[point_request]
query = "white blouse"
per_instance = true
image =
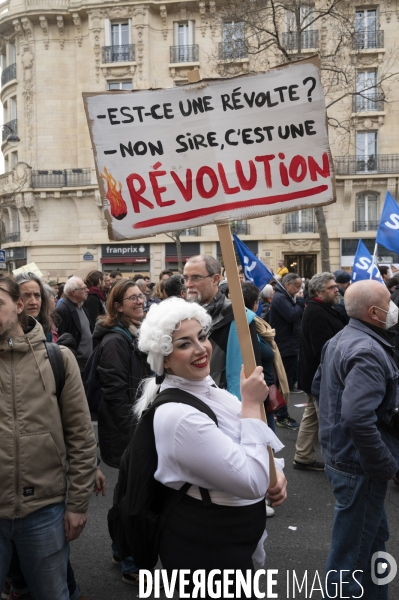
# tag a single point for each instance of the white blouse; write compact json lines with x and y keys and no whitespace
{"x":231,"y":460}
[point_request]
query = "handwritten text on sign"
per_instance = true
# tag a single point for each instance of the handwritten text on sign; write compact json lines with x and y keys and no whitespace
{"x":235,"y":149}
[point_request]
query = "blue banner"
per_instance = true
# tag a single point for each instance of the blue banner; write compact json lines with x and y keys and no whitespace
{"x":254,"y":270}
{"x":388,"y":229}
{"x":363,"y":265}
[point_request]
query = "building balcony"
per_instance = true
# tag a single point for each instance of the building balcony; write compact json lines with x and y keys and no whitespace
{"x":8,"y":74}
{"x":368,"y":102}
{"x":182,"y":54}
{"x":240,"y":227}
{"x":365,"y":225}
{"x":192,"y":231}
{"x":9,"y":128}
{"x":309,"y":39}
{"x":374,"y":163}
{"x":234,"y":50}
{"x":61,"y":178}
{"x":368,"y":40}
{"x":299,"y":227}
{"x":123,"y":53}
{"x":13,"y":236}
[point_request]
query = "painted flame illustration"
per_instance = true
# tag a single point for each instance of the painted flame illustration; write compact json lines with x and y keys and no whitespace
{"x":118,"y":205}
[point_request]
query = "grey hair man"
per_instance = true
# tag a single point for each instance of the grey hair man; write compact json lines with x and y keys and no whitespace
{"x":202,"y":274}
{"x":75,"y":319}
{"x":356,"y":387}
{"x":320,"y":322}
{"x":285,"y":317}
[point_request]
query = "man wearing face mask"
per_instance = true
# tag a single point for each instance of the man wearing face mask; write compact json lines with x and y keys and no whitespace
{"x":356,"y":387}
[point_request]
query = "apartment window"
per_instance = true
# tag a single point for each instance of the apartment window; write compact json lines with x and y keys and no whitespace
{"x":367,"y":212}
{"x":118,"y":46}
{"x":366,"y":28}
{"x":366,"y":151}
{"x":300,"y":221}
{"x":305,"y":18}
{"x":366,"y":85}
{"x":309,"y":37}
{"x":184,"y":49}
{"x":183,"y":33}
{"x":120,"y":85}
{"x":233,"y":44}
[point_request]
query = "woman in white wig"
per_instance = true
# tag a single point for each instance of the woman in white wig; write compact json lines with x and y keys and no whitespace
{"x":220,"y":522}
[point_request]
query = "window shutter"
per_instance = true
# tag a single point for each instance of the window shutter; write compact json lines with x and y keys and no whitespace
{"x":175,"y":33}
{"x":191,"y":31}
{"x":130,"y":31}
{"x":107,"y":32}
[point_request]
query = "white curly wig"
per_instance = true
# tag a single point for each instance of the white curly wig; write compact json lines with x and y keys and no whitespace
{"x":162,"y":320}
{"x":155,"y":338}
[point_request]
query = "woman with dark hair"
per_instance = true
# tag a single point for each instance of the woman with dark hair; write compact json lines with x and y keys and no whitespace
{"x":36,"y":301}
{"x":121,"y":368}
{"x":95,"y":301}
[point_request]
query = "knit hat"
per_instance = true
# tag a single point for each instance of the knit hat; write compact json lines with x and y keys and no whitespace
{"x":342,"y":276}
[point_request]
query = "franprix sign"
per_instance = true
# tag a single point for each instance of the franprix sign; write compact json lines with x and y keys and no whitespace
{"x":218,"y":149}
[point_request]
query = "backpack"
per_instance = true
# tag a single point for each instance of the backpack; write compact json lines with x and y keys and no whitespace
{"x":139,"y":511}
{"x":57,"y":364}
{"x":91,"y":381}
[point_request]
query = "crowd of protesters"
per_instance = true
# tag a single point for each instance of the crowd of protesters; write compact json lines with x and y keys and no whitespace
{"x":323,"y":337}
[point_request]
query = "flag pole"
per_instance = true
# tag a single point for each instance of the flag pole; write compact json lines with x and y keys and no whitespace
{"x":373,"y":263}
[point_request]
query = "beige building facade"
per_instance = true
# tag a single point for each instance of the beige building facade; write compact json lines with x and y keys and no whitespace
{"x":54,"y":50}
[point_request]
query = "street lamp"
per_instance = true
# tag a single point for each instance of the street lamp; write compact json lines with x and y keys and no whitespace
{"x":12,"y":137}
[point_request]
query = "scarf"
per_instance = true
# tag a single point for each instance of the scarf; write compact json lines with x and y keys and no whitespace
{"x":97,"y":292}
{"x":215,"y":306}
{"x":267,"y":333}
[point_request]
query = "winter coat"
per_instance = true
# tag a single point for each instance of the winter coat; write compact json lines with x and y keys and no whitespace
{"x":70,"y":322}
{"x":285,"y":317}
{"x":320,"y":322}
{"x":36,"y":431}
{"x":121,"y":368}
{"x":356,"y":386}
{"x":95,"y":307}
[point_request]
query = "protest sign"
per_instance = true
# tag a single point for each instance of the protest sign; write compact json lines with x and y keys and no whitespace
{"x":30,"y":268}
{"x":218,"y":149}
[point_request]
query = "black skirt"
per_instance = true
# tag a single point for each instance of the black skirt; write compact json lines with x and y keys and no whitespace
{"x":211,"y":537}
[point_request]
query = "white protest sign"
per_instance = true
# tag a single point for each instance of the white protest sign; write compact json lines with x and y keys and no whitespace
{"x":30,"y":268}
{"x":222,"y":149}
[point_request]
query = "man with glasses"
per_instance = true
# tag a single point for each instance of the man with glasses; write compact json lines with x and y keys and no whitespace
{"x":320,"y":322}
{"x":202,"y":275}
{"x":75,"y":320}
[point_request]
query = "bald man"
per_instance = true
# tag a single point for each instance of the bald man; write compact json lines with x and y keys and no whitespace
{"x":357,"y":389}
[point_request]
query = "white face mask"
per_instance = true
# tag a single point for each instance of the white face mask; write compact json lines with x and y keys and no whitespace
{"x":392,"y":315}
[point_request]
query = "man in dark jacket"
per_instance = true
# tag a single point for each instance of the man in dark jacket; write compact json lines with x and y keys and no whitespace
{"x":343,"y":279}
{"x":202,"y":276}
{"x":320,"y":322}
{"x":285,"y":317}
{"x":356,"y":387}
{"x":75,"y":320}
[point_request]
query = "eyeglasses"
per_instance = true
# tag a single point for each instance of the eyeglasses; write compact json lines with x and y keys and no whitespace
{"x":332,"y":287}
{"x":134,"y":299}
{"x":80,"y":289}
{"x":195,"y":278}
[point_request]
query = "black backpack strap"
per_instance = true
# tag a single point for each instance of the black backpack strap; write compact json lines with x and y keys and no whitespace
{"x":177,"y":395}
{"x":57,"y":364}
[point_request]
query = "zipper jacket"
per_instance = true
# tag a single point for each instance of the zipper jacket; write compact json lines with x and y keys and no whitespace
{"x":36,"y":431}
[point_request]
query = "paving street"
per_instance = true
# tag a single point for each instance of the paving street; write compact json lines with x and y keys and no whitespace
{"x":309,"y":509}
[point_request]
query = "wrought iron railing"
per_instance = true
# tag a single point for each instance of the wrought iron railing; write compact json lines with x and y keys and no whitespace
{"x":13,"y":236}
{"x":369,"y":101}
{"x":61,"y":178}
{"x":309,"y":39}
{"x":8,"y":74}
{"x":232,"y":50}
{"x":365,"y":225}
{"x":368,"y":39}
{"x":9,"y":128}
{"x":123,"y":53}
{"x":180,"y":54}
{"x":238,"y":227}
{"x":299,"y":227}
{"x":374,"y":163}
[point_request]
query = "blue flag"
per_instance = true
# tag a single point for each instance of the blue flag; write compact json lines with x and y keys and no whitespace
{"x":254,"y":270}
{"x":388,"y":229}
{"x":363,"y":265}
